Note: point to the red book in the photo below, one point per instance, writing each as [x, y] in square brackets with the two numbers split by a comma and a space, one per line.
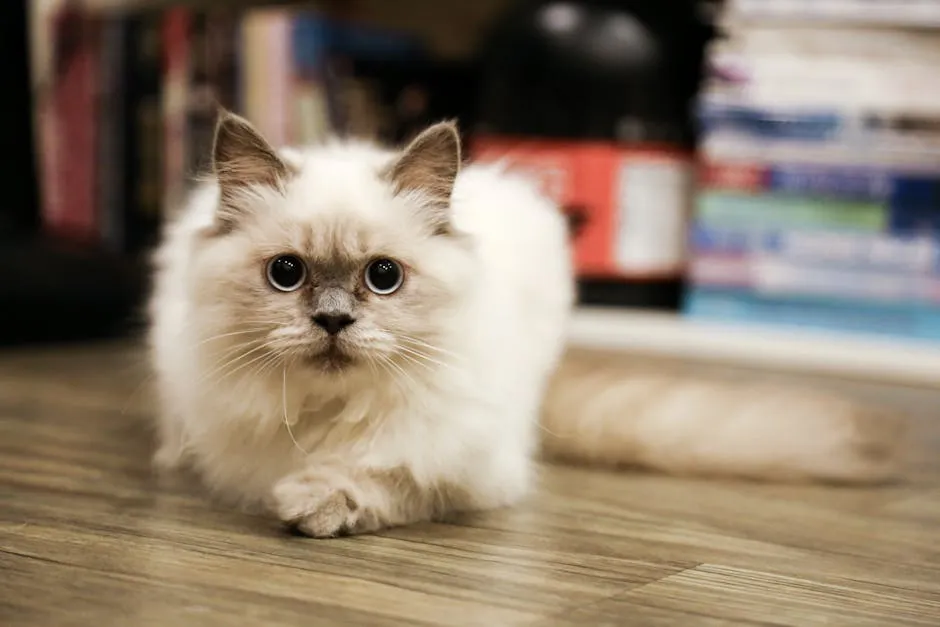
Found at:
[176, 61]
[69, 129]
[733, 177]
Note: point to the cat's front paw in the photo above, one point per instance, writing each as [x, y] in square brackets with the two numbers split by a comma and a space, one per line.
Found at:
[316, 504]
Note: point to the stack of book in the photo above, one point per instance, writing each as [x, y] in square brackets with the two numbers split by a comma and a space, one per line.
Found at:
[127, 110]
[819, 201]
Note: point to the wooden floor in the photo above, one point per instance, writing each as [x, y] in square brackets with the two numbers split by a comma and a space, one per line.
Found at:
[89, 537]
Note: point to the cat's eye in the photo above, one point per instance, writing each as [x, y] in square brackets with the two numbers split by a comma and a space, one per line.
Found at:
[384, 276]
[286, 273]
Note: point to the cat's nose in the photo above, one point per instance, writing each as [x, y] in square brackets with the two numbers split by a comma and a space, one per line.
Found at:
[333, 323]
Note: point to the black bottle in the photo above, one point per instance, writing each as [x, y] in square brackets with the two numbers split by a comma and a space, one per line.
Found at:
[596, 97]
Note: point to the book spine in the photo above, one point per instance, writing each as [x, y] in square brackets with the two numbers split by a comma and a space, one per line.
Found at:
[770, 211]
[199, 114]
[145, 138]
[310, 108]
[223, 58]
[111, 171]
[779, 276]
[177, 23]
[749, 178]
[771, 125]
[872, 252]
[254, 68]
[279, 76]
[859, 183]
[212, 83]
[905, 320]
[52, 205]
[855, 183]
[72, 116]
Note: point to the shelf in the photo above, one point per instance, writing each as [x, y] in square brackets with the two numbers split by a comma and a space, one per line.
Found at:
[816, 351]
[909, 14]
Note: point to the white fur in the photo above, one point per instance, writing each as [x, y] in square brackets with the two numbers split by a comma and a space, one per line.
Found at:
[453, 369]
[470, 422]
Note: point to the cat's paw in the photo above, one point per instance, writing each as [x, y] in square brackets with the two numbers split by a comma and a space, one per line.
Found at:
[316, 504]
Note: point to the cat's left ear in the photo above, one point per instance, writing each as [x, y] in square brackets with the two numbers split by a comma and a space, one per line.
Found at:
[242, 158]
[429, 167]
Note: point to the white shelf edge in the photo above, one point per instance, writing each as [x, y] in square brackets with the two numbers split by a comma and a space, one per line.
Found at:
[814, 351]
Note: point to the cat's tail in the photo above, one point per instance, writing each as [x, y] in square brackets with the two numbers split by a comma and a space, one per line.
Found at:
[607, 412]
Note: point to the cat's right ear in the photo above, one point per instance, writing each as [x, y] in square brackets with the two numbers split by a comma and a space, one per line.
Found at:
[242, 159]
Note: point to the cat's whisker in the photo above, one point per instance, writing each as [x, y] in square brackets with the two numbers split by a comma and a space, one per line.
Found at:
[240, 347]
[370, 362]
[290, 431]
[240, 368]
[230, 334]
[538, 423]
[419, 357]
[211, 374]
[429, 367]
[224, 366]
[400, 378]
[273, 360]
[419, 343]
[384, 364]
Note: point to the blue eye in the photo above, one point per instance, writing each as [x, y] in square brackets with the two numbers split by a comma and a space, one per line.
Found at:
[286, 273]
[384, 276]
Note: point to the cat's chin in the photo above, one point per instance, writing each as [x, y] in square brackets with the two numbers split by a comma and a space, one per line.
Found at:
[332, 360]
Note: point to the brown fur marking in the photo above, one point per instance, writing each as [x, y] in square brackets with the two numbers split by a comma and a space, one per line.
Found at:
[242, 158]
[429, 166]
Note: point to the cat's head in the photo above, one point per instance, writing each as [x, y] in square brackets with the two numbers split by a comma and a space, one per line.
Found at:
[339, 258]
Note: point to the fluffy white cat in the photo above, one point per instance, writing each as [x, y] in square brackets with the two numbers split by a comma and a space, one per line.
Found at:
[355, 338]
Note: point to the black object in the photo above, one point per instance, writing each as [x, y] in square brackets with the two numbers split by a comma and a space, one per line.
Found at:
[19, 169]
[588, 69]
[48, 291]
[622, 72]
[52, 293]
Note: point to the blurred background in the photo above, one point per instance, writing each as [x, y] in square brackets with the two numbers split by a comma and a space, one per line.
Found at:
[754, 180]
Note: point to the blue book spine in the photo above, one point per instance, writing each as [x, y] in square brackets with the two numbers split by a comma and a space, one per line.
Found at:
[813, 126]
[872, 252]
[901, 320]
[849, 183]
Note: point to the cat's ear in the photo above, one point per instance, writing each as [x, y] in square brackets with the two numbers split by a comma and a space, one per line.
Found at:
[429, 167]
[242, 158]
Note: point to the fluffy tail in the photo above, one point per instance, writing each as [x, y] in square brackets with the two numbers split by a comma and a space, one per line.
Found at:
[603, 411]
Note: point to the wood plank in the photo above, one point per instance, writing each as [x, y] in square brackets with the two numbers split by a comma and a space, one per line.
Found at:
[88, 534]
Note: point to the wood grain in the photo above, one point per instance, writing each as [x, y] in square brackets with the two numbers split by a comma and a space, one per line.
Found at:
[89, 536]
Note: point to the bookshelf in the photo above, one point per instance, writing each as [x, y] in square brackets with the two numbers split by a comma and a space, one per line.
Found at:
[452, 26]
[773, 348]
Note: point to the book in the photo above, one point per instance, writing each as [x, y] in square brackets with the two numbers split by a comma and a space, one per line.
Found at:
[177, 70]
[112, 206]
[781, 211]
[301, 76]
[68, 113]
[144, 132]
[878, 252]
[776, 275]
[838, 316]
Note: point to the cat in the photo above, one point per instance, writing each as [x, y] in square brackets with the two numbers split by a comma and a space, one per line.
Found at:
[353, 337]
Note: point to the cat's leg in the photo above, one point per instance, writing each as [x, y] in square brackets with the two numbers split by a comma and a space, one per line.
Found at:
[329, 500]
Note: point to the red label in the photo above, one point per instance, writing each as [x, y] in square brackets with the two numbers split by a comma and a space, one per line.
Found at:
[586, 179]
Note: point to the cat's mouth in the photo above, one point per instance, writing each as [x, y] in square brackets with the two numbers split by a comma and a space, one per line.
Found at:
[332, 358]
